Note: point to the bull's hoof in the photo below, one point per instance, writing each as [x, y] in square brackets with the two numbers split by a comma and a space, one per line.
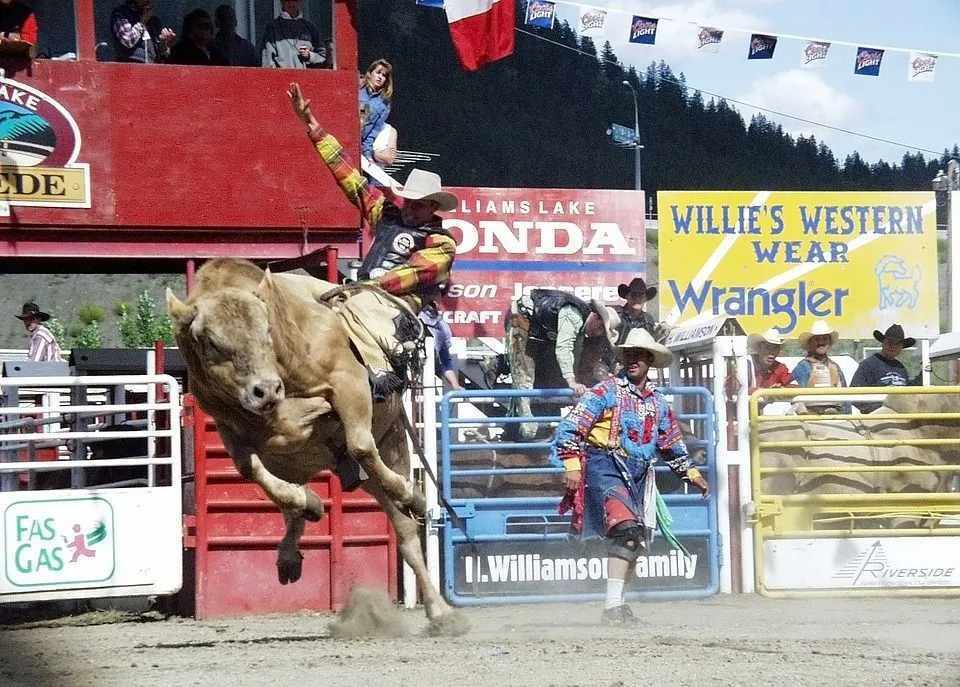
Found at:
[313, 510]
[450, 624]
[528, 430]
[290, 570]
[417, 504]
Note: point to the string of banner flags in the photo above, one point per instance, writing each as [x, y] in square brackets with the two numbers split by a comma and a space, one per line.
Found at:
[611, 23]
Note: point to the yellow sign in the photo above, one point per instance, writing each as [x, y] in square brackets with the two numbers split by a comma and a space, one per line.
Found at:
[860, 260]
[49, 186]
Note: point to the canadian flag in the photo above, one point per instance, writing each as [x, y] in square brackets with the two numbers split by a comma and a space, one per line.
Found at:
[482, 30]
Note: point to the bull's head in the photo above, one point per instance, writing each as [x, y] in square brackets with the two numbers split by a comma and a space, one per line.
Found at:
[225, 338]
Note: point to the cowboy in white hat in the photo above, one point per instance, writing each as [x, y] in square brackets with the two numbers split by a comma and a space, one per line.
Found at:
[411, 253]
[767, 372]
[608, 445]
[550, 329]
[817, 369]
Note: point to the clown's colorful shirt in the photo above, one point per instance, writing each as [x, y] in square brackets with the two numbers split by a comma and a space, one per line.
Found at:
[617, 416]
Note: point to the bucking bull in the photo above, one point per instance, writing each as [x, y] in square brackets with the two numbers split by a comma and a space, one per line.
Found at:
[270, 360]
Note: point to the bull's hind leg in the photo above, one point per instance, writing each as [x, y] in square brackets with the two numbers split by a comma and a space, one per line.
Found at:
[444, 620]
[351, 400]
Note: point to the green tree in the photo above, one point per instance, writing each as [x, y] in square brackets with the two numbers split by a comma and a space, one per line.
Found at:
[142, 325]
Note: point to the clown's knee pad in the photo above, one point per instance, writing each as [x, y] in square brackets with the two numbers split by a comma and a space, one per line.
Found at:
[625, 540]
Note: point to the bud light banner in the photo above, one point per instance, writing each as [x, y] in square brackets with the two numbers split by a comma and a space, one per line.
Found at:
[868, 61]
[860, 260]
[541, 13]
[510, 241]
[643, 30]
[761, 47]
[921, 66]
[814, 54]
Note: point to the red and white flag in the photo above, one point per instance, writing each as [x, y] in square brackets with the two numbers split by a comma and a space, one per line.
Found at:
[482, 30]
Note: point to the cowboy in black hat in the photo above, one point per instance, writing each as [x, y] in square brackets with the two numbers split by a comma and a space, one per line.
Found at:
[632, 313]
[883, 368]
[43, 345]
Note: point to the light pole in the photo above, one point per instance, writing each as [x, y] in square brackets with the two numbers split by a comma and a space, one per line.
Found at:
[636, 133]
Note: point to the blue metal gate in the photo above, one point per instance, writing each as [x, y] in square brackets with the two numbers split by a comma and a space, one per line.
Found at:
[516, 547]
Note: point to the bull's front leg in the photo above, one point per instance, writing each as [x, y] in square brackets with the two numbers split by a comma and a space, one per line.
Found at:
[289, 558]
[287, 495]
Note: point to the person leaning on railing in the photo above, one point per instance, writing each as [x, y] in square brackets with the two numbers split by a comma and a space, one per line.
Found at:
[883, 368]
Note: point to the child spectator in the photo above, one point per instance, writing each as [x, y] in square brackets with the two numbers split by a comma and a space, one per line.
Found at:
[236, 50]
[196, 46]
[139, 35]
[291, 42]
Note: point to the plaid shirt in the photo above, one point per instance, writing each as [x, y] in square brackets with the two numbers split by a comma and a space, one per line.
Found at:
[425, 268]
[43, 345]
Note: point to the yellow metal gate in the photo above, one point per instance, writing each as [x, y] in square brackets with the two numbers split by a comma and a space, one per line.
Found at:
[856, 504]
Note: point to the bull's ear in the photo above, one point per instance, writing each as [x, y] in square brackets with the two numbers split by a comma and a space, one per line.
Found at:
[265, 287]
[181, 313]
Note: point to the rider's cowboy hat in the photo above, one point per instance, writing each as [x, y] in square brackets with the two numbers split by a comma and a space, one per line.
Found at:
[820, 328]
[640, 338]
[771, 336]
[637, 285]
[895, 334]
[32, 310]
[424, 185]
[610, 319]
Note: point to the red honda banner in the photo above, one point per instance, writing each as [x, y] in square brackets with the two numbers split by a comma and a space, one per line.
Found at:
[513, 240]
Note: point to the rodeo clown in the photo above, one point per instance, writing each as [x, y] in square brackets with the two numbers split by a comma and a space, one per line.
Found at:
[411, 253]
[608, 445]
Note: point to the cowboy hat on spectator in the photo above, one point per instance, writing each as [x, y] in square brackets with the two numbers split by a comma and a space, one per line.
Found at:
[640, 338]
[820, 328]
[424, 185]
[610, 319]
[32, 310]
[637, 286]
[895, 334]
[771, 336]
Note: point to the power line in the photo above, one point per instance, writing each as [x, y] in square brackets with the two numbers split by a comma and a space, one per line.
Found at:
[744, 103]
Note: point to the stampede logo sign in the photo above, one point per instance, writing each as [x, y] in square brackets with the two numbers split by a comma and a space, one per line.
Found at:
[39, 144]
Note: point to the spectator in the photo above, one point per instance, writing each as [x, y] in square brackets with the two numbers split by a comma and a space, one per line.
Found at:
[440, 331]
[196, 45]
[817, 369]
[17, 24]
[43, 345]
[376, 92]
[608, 446]
[633, 313]
[767, 372]
[236, 50]
[291, 42]
[138, 34]
[577, 334]
[883, 368]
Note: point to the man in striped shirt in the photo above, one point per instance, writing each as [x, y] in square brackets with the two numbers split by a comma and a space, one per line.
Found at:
[43, 345]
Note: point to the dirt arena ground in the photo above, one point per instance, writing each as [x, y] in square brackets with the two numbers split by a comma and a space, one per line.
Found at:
[721, 641]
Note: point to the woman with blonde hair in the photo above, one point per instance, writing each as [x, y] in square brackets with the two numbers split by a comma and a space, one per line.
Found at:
[376, 92]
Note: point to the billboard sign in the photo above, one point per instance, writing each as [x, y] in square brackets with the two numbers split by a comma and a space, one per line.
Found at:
[860, 260]
[510, 241]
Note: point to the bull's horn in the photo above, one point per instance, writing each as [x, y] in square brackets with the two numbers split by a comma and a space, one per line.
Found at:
[179, 311]
[266, 284]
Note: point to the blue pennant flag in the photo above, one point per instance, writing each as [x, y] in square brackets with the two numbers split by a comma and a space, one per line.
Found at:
[541, 13]
[761, 47]
[431, 3]
[643, 30]
[868, 61]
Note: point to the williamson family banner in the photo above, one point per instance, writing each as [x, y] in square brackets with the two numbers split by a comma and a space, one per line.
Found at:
[860, 260]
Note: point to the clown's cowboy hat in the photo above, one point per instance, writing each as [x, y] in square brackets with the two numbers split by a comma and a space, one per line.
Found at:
[771, 336]
[637, 286]
[610, 319]
[820, 328]
[895, 334]
[32, 310]
[640, 338]
[424, 185]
